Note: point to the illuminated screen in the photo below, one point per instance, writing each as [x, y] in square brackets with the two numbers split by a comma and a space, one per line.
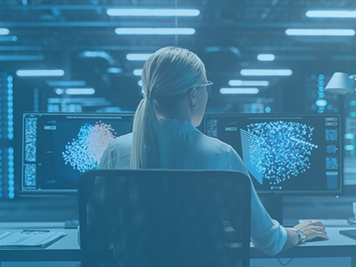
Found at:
[58, 148]
[285, 153]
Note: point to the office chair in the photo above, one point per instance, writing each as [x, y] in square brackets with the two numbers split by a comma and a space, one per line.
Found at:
[164, 218]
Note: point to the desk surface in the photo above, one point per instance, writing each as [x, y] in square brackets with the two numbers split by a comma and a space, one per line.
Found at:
[67, 248]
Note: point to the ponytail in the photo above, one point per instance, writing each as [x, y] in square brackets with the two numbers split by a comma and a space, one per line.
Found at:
[171, 71]
[147, 152]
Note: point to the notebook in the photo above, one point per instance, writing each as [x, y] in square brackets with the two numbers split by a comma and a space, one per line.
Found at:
[29, 238]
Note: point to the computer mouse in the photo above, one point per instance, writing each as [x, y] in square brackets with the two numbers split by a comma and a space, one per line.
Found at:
[317, 239]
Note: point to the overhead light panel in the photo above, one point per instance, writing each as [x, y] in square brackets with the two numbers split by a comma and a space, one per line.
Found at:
[66, 83]
[248, 83]
[137, 72]
[239, 91]
[153, 12]
[266, 72]
[40, 73]
[8, 38]
[155, 31]
[138, 57]
[265, 57]
[331, 14]
[4, 31]
[114, 70]
[97, 54]
[320, 32]
[80, 91]
[21, 57]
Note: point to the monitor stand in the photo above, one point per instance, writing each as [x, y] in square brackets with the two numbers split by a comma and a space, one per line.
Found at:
[274, 206]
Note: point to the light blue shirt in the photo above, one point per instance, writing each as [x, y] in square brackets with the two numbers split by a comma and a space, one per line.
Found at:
[191, 149]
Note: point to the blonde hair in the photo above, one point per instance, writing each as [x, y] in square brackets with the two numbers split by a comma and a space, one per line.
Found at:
[169, 72]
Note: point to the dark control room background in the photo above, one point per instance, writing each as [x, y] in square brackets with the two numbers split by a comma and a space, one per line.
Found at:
[93, 66]
[83, 56]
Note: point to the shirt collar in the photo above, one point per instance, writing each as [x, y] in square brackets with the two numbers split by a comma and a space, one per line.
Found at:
[178, 124]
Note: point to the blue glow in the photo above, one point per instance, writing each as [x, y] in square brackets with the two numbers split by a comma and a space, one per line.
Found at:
[349, 147]
[331, 14]
[349, 136]
[39, 73]
[66, 83]
[155, 31]
[266, 57]
[80, 91]
[4, 31]
[234, 91]
[330, 107]
[321, 103]
[268, 109]
[153, 12]
[313, 76]
[266, 72]
[137, 72]
[59, 91]
[248, 83]
[314, 107]
[139, 83]
[138, 57]
[21, 57]
[114, 70]
[320, 32]
[10, 110]
[10, 157]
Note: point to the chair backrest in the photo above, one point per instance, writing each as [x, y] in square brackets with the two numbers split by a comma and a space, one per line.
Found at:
[164, 218]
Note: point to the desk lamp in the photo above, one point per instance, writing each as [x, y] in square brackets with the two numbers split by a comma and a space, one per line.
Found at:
[341, 84]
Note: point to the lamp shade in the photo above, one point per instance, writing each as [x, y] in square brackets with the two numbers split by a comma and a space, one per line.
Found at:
[340, 84]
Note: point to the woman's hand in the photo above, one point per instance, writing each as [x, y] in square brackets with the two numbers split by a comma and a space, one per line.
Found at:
[312, 229]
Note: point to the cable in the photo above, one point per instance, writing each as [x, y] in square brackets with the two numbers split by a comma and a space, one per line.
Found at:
[286, 263]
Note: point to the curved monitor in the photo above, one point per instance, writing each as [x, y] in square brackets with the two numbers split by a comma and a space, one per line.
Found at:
[58, 147]
[285, 153]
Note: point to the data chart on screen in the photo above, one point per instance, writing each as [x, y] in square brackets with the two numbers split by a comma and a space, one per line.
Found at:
[58, 148]
[285, 153]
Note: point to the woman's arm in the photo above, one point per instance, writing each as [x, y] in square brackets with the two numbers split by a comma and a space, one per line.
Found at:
[309, 228]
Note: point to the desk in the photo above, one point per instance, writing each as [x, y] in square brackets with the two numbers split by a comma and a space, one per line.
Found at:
[67, 249]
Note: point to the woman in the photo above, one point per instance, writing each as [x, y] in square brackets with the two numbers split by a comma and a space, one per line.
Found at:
[164, 136]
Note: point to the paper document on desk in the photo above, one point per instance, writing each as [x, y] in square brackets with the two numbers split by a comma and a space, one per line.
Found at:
[29, 239]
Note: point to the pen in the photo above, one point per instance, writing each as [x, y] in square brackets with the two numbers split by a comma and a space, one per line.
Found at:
[31, 231]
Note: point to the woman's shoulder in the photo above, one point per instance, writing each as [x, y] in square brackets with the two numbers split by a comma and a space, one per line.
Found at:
[122, 140]
[216, 144]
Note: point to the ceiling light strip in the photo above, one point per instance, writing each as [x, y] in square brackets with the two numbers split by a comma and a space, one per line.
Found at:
[153, 12]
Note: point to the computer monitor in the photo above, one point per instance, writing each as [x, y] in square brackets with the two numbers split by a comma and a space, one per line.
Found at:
[58, 147]
[285, 153]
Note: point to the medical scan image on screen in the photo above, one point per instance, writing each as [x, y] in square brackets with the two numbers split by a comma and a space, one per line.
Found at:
[287, 152]
[57, 149]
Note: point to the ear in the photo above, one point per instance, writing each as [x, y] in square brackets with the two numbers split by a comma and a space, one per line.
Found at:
[193, 97]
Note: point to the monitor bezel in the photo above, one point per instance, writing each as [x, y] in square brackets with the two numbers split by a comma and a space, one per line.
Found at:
[282, 193]
[54, 192]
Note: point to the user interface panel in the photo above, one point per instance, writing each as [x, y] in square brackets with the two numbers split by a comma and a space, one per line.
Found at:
[285, 153]
[58, 148]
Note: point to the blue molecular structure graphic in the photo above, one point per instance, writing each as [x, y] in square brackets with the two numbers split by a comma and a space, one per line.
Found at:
[84, 153]
[331, 135]
[276, 151]
[331, 163]
[331, 149]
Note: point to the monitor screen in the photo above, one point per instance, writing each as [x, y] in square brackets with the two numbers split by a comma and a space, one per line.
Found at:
[285, 153]
[57, 148]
